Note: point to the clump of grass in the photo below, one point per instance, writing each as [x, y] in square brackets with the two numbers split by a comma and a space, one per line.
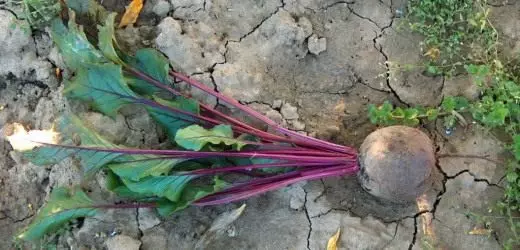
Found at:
[456, 32]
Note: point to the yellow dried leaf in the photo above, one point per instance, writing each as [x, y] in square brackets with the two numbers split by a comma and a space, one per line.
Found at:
[131, 13]
[480, 231]
[333, 241]
[433, 53]
[340, 107]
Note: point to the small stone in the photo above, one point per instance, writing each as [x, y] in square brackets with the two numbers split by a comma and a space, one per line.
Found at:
[16, 157]
[231, 231]
[317, 45]
[289, 112]
[297, 200]
[275, 116]
[147, 219]
[333, 129]
[277, 104]
[306, 25]
[154, 238]
[122, 242]
[161, 8]
[296, 203]
[297, 125]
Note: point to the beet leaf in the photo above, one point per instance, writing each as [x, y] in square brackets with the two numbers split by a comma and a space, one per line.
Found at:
[62, 206]
[196, 137]
[207, 145]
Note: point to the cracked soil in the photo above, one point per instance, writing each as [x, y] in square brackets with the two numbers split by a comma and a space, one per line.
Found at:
[257, 51]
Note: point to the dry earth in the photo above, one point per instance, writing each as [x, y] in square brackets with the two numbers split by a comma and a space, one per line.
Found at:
[313, 66]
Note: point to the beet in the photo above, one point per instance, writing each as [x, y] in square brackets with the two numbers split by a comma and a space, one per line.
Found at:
[396, 163]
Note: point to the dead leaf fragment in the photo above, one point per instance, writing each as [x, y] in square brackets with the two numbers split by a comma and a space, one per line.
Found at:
[131, 13]
[333, 241]
[480, 231]
[433, 53]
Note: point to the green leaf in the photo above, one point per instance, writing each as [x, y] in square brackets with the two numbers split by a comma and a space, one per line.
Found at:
[107, 39]
[191, 193]
[71, 127]
[40, 13]
[373, 114]
[79, 6]
[101, 85]
[63, 205]
[449, 103]
[170, 121]
[116, 185]
[512, 177]
[410, 117]
[516, 147]
[461, 103]
[196, 137]
[449, 121]
[432, 70]
[136, 167]
[152, 63]
[497, 116]
[169, 187]
[398, 113]
[74, 46]
[432, 114]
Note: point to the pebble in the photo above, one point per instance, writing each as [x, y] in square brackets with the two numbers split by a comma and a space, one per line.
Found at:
[289, 112]
[122, 242]
[317, 45]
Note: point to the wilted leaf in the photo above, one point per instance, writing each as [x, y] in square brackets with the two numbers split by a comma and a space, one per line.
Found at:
[480, 231]
[73, 44]
[333, 241]
[433, 53]
[71, 127]
[63, 205]
[131, 13]
[219, 225]
[106, 39]
[196, 137]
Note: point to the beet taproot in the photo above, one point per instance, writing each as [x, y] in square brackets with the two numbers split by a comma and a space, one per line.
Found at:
[396, 163]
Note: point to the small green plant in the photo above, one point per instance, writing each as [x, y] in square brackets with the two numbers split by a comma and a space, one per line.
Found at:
[455, 32]
[498, 108]
[459, 38]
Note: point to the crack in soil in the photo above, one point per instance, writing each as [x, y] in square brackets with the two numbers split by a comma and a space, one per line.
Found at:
[393, 237]
[14, 220]
[308, 220]
[140, 232]
[414, 238]
[341, 92]
[281, 6]
[475, 178]
[326, 7]
[379, 48]
[363, 17]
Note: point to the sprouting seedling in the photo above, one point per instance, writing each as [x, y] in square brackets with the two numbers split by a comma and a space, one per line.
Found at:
[208, 144]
